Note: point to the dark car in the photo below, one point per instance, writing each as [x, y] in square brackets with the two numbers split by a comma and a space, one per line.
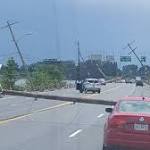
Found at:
[139, 83]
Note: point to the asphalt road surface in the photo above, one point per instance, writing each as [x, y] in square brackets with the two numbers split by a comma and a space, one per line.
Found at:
[27, 124]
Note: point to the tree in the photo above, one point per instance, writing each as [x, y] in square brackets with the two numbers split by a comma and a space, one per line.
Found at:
[46, 76]
[130, 70]
[144, 71]
[9, 73]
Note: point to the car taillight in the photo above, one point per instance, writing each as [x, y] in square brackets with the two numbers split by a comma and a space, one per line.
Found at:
[117, 123]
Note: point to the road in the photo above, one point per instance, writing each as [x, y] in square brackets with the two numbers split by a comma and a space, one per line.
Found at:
[54, 125]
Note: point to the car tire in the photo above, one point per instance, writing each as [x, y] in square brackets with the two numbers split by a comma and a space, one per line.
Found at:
[85, 91]
[99, 91]
[81, 91]
[105, 148]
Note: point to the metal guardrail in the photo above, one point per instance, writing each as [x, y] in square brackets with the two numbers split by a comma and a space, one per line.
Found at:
[60, 98]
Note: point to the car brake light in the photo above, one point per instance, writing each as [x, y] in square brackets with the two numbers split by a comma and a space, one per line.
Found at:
[117, 123]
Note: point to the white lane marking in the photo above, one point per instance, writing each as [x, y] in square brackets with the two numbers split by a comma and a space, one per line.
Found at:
[100, 116]
[75, 133]
[10, 97]
[111, 89]
[132, 91]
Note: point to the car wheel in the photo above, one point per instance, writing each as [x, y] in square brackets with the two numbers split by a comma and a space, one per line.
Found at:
[99, 91]
[85, 91]
[81, 91]
[105, 148]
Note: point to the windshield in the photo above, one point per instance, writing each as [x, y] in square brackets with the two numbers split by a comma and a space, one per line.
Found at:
[140, 107]
[92, 81]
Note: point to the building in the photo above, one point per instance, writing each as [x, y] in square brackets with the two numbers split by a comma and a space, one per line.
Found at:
[95, 57]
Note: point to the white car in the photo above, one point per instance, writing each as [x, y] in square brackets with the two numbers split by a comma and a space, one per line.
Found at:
[102, 81]
[91, 84]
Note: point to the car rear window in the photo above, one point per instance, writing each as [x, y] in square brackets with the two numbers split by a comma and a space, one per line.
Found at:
[135, 106]
[92, 81]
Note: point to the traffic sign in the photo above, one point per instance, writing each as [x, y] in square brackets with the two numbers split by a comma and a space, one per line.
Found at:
[143, 59]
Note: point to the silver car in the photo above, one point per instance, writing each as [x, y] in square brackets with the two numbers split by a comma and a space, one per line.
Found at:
[91, 84]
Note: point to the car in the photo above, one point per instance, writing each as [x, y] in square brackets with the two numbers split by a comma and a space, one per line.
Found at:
[132, 80]
[122, 81]
[91, 84]
[139, 83]
[128, 125]
[102, 81]
[128, 81]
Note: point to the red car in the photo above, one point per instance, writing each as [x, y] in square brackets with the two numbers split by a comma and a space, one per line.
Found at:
[128, 125]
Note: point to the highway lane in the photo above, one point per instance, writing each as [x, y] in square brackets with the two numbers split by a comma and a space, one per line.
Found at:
[11, 106]
[61, 127]
[56, 129]
[72, 92]
[113, 94]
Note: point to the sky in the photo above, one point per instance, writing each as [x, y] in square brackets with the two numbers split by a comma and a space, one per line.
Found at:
[101, 26]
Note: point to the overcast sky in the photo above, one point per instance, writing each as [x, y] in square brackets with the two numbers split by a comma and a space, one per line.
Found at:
[102, 26]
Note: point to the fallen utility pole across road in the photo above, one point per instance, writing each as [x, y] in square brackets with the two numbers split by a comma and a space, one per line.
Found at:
[60, 98]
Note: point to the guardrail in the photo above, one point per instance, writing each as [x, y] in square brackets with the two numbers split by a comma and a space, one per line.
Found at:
[60, 98]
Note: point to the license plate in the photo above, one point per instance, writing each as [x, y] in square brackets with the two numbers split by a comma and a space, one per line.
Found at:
[141, 127]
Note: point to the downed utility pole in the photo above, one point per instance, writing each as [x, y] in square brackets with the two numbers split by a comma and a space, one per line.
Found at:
[60, 98]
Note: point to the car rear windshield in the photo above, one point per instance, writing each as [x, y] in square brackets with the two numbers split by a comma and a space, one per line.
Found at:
[135, 107]
[92, 81]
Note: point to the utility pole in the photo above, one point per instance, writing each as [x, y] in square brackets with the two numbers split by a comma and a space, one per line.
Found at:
[133, 51]
[79, 62]
[9, 26]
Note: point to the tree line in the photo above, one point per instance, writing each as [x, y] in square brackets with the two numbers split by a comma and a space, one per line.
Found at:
[49, 74]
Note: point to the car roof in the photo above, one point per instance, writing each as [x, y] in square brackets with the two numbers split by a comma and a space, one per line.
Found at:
[136, 98]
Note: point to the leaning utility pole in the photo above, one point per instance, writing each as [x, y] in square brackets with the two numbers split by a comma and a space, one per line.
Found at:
[133, 51]
[16, 44]
[9, 26]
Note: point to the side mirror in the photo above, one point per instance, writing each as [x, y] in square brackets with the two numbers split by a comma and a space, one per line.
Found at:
[109, 110]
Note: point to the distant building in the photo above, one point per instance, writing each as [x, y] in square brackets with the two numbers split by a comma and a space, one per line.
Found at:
[95, 57]
[51, 61]
[110, 58]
